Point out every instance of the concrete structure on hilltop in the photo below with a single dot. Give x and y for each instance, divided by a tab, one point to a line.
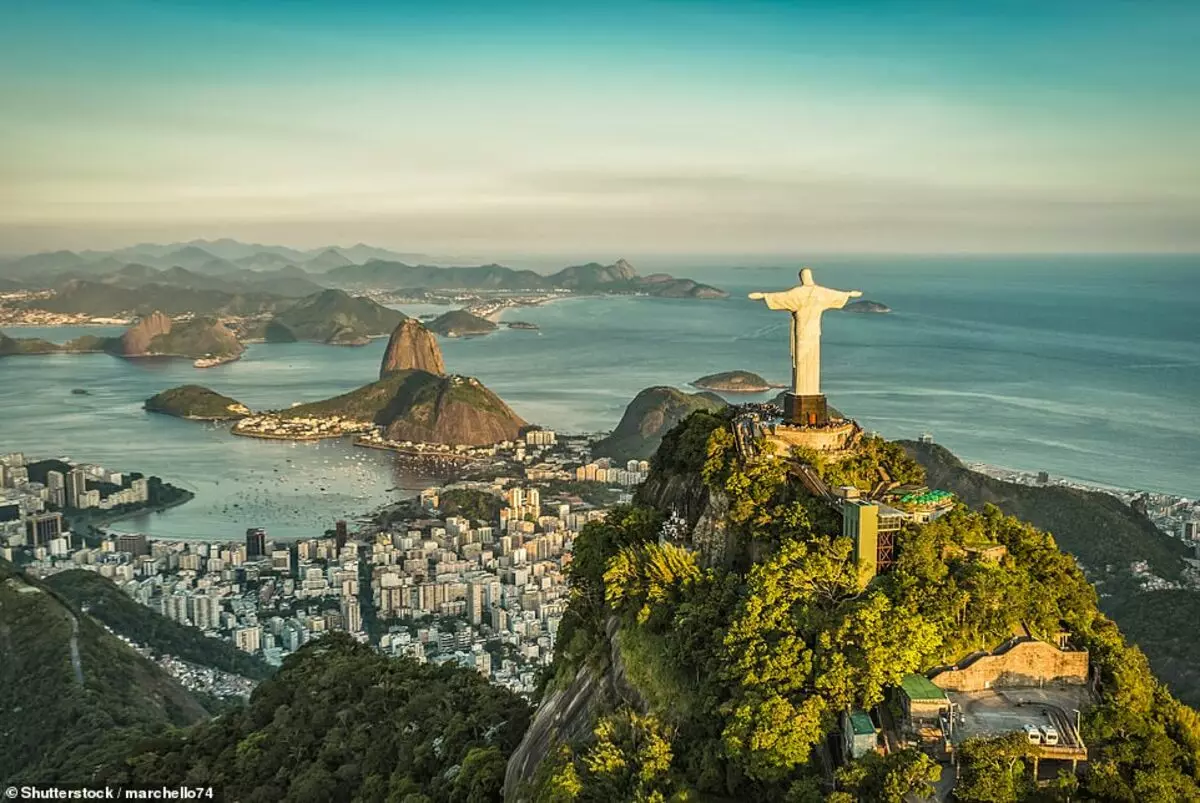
1021	662
873	527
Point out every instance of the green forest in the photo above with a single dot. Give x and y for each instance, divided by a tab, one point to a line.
341	722
739	670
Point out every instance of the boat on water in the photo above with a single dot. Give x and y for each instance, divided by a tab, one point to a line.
80	392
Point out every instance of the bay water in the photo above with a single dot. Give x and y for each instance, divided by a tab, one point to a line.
1085	367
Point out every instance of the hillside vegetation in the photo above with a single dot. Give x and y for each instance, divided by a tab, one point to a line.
648	417
104	601
57	725
335	317
460	323
341	722
1105	536
196	402
418	406
737	672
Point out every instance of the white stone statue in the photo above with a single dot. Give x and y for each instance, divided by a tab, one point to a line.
806	301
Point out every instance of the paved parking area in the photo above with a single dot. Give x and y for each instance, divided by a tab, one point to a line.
999	711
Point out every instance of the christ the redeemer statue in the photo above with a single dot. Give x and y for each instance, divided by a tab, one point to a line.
806	301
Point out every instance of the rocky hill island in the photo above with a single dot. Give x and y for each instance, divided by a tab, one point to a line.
196	403
867	306
461	323
735	382
413	402
204	339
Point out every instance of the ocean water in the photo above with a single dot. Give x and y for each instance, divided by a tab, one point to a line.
1086	367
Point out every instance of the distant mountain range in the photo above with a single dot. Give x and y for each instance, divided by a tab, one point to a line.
235	268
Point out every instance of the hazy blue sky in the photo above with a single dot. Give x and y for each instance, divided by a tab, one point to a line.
608	128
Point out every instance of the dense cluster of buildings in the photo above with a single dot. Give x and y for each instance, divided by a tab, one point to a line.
31	507
487	597
267	425
487	593
265	598
602	470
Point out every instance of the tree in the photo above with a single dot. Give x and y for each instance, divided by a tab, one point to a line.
889	779
993	770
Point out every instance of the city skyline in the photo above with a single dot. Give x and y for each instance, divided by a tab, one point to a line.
638	129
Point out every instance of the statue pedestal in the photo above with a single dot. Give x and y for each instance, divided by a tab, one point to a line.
805	411
835	440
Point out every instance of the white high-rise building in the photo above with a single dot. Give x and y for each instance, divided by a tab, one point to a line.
248	639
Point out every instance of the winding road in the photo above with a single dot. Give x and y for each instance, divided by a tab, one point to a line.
76	663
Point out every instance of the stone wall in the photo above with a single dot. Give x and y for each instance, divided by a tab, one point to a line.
1025	663
829	439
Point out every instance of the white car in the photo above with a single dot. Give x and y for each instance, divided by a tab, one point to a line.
1049	734
1033	734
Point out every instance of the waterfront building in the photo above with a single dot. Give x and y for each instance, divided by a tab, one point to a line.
76	482
133	543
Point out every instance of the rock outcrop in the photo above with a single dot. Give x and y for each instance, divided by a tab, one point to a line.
412	347
650	415
156	335
455	410
422	407
136	341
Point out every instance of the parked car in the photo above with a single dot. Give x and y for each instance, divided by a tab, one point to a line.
1049	734
1033	734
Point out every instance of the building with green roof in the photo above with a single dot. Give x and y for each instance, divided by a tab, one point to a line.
858	733
921	701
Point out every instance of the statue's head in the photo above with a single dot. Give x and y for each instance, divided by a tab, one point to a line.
806	276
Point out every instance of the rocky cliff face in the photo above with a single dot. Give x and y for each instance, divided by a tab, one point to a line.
455	410
704	511
650	415
412	347
568	715
136	341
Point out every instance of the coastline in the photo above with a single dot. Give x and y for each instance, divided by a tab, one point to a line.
106	520
263	436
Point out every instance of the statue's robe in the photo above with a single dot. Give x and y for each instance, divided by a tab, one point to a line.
806	302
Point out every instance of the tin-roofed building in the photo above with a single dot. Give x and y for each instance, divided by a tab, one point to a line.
922	701
858	734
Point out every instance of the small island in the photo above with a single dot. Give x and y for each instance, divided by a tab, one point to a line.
522	325
461	323
196	403
735	382
866	306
